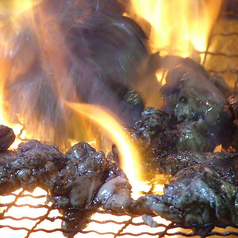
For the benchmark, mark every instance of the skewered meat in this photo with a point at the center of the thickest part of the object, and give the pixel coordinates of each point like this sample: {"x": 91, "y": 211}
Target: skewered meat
{"x": 194, "y": 195}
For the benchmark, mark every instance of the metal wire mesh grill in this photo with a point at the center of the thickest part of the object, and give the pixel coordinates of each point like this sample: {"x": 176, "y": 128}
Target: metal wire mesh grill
{"x": 24, "y": 214}
{"x": 221, "y": 56}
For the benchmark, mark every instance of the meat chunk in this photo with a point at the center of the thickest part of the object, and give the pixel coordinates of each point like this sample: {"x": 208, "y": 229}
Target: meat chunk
{"x": 81, "y": 178}
{"x": 157, "y": 132}
{"x": 31, "y": 165}
{"x": 115, "y": 195}
{"x": 73, "y": 189}
{"x": 188, "y": 95}
{"x": 7, "y": 137}
{"x": 194, "y": 195}
{"x": 223, "y": 163}
{"x": 35, "y": 163}
{"x": 194, "y": 97}
{"x": 8, "y": 181}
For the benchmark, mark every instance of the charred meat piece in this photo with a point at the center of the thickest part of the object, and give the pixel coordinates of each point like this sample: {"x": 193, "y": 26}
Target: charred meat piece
{"x": 154, "y": 131}
{"x": 195, "y": 136}
{"x": 158, "y": 132}
{"x": 7, "y": 137}
{"x": 81, "y": 178}
{"x": 223, "y": 163}
{"x": 88, "y": 181}
{"x": 195, "y": 195}
{"x": 115, "y": 195}
{"x": 189, "y": 95}
{"x": 35, "y": 163}
{"x": 8, "y": 180}
{"x": 192, "y": 97}
{"x": 31, "y": 165}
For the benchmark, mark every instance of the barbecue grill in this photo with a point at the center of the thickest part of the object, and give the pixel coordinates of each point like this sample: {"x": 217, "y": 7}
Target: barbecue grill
{"x": 44, "y": 220}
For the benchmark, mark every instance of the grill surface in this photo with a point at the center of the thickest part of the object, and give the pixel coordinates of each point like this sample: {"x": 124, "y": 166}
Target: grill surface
{"x": 43, "y": 220}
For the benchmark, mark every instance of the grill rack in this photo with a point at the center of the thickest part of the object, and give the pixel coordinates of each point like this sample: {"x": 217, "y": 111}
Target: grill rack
{"x": 221, "y": 55}
{"x": 127, "y": 226}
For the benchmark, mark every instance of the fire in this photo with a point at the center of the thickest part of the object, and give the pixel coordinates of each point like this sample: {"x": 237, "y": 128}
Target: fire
{"x": 17, "y": 7}
{"x": 9, "y": 12}
{"x": 179, "y": 26}
{"x": 129, "y": 152}
{"x": 4, "y": 67}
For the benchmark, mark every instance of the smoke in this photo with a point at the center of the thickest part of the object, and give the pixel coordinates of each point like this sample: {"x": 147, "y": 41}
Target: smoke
{"x": 73, "y": 50}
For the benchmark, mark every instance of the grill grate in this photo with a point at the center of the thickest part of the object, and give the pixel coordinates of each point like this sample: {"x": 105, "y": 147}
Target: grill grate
{"x": 25, "y": 214}
{"x": 221, "y": 56}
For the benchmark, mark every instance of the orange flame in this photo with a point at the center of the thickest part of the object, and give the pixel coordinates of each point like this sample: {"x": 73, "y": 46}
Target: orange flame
{"x": 178, "y": 26}
{"x": 129, "y": 152}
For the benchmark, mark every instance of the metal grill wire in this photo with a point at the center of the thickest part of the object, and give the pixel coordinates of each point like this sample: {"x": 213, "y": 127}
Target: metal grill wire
{"x": 24, "y": 214}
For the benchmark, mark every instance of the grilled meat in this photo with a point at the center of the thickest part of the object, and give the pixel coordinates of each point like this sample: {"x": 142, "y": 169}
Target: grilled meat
{"x": 192, "y": 96}
{"x": 88, "y": 180}
{"x": 35, "y": 163}
{"x": 158, "y": 132}
{"x": 7, "y": 137}
{"x": 81, "y": 178}
{"x": 8, "y": 181}
{"x": 223, "y": 163}
{"x": 195, "y": 194}
{"x": 115, "y": 195}
{"x": 154, "y": 132}
{"x": 31, "y": 165}
{"x": 77, "y": 182}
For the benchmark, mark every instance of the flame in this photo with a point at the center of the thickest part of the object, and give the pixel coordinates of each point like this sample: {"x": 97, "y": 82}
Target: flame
{"x": 179, "y": 26}
{"x": 9, "y": 13}
{"x": 17, "y": 7}
{"x": 131, "y": 161}
{"x": 4, "y": 67}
